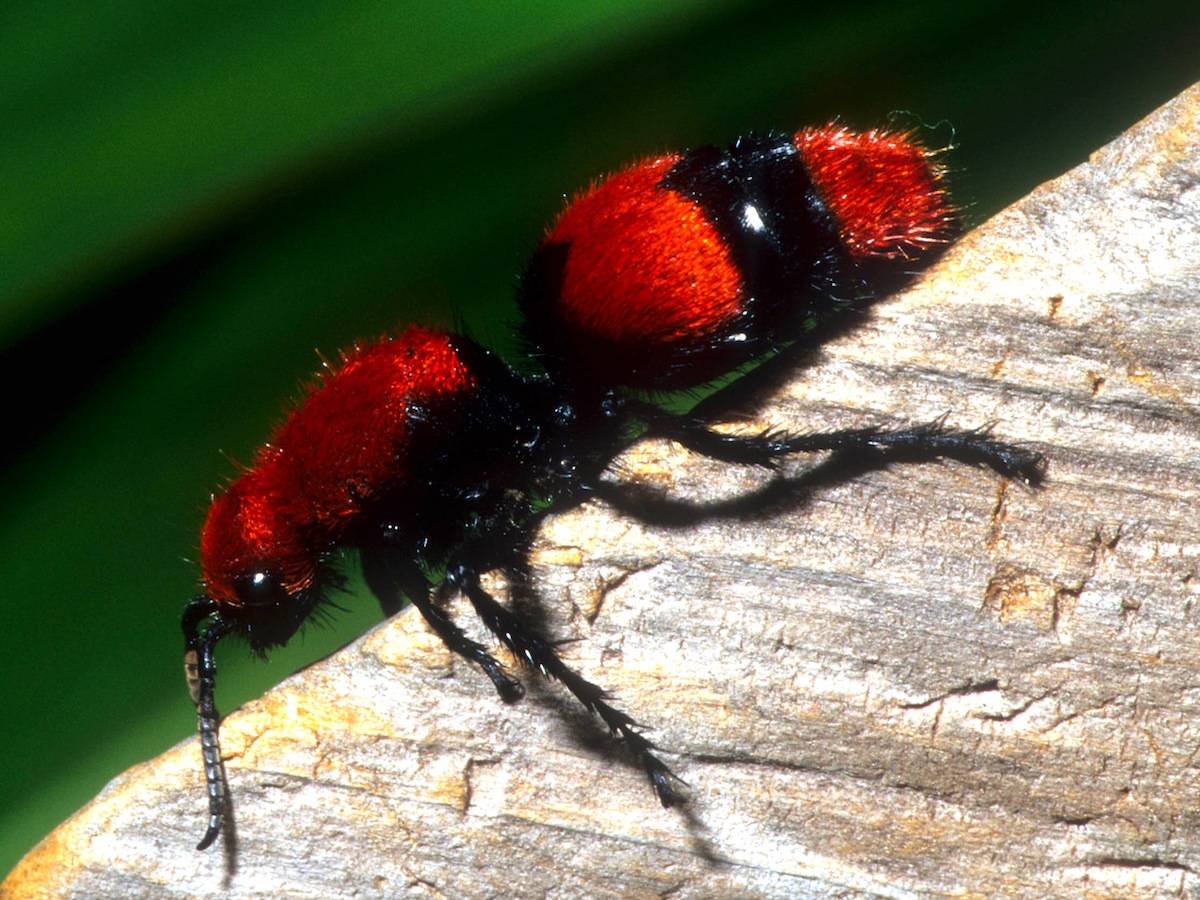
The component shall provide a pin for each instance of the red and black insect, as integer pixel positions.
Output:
(428, 454)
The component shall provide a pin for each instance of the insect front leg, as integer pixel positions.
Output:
(392, 578)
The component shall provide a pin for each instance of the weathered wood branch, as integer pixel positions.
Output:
(921, 680)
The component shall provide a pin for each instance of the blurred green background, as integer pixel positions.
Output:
(195, 196)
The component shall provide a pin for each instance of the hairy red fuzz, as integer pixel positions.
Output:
(883, 188)
(648, 277)
(349, 439)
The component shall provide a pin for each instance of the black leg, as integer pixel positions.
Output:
(537, 652)
(922, 442)
(391, 580)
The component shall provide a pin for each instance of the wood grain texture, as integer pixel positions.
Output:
(916, 681)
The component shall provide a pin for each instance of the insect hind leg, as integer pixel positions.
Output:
(919, 443)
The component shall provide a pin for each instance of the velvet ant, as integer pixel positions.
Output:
(431, 456)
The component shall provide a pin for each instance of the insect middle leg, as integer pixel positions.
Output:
(533, 649)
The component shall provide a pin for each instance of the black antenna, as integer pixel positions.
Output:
(200, 666)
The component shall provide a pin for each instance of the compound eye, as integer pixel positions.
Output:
(261, 587)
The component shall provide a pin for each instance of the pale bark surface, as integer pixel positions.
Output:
(921, 681)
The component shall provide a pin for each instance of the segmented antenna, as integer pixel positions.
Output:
(200, 665)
